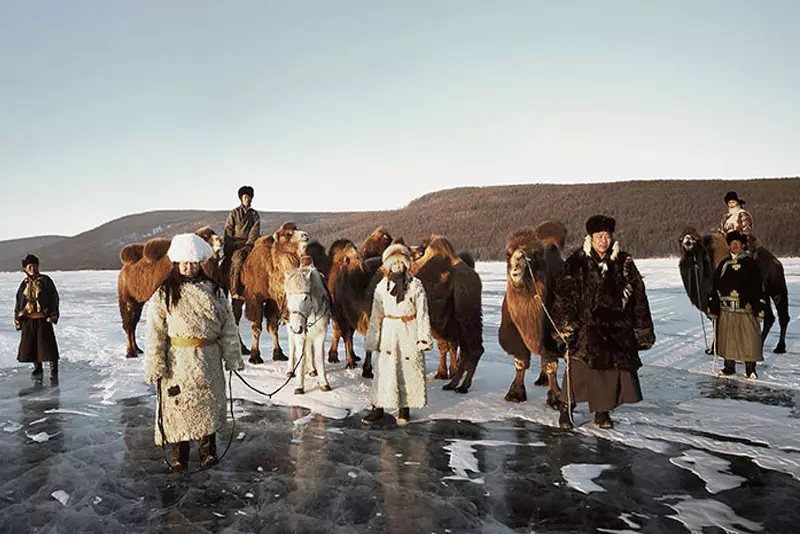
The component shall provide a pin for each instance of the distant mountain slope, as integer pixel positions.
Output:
(16, 249)
(650, 216)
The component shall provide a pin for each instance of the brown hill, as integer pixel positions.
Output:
(650, 216)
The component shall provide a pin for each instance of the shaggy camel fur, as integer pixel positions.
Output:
(144, 269)
(453, 291)
(533, 263)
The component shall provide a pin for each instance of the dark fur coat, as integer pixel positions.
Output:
(36, 295)
(602, 309)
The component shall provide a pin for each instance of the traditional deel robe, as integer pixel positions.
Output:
(401, 331)
(737, 301)
(35, 313)
(242, 228)
(192, 377)
(602, 308)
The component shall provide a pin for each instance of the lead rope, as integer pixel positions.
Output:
(700, 304)
(567, 374)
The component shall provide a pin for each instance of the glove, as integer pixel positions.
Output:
(423, 346)
(52, 320)
(238, 365)
(17, 325)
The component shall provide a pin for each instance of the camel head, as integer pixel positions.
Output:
(524, 255)
(345, 254)
(215, 242)
(688, 240)
(289, 234)
(376, 242)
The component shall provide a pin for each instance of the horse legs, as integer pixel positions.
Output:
(318, 359)
(444, 347)
(782, 305)
(366, 371)
(299, 348)
(293, 347)
(236, 306)
(517, 393)
(333, 353)
(131, 312)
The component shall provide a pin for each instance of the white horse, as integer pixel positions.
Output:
(309, 311)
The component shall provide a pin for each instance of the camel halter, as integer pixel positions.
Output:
(567, 375)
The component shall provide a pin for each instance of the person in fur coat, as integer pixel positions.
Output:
(736, 304)
(35, 313)
(738, 219)
(400, 329)
(601, 309)
(191, 332)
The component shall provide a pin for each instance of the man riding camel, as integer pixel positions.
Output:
(737, 219)
(242, 229)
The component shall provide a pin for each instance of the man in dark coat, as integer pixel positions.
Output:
(242, 229)
(602, 311)
(736, 303)
(35, 313)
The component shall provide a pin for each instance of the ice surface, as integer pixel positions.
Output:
(581, 476)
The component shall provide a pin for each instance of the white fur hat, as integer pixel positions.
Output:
(395, 253)
(189, 248)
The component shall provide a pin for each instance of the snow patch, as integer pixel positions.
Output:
(581, 476)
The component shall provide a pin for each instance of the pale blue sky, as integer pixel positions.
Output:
(109, 108)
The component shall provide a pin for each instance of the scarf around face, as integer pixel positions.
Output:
(400, 284)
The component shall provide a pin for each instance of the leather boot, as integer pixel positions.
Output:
(180, 456)
(374, 416)
(603, 420)
(729, 368)
(750, 370)
(403, 416)
(207, 449)
(54, 371)
(38, 370)
(565, 418)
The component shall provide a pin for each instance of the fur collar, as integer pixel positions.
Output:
(587, 248)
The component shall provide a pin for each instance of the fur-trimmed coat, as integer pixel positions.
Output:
(192, 378)
(737, 219)
(401, 331)
(602, 309)
(36, 296)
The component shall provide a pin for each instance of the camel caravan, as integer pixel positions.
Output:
(287, 278)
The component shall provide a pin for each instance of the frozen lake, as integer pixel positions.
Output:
(699, 452)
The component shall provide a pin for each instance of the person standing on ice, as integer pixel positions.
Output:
(191, 332)
(35, 313)
(601, 308)
(242, 229)
(400, 329)
(736, 304)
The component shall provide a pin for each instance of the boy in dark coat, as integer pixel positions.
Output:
(242, 229)
(35, 313)
(601, 309)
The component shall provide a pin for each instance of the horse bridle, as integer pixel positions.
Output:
(319, 316)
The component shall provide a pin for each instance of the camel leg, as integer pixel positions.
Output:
(351, 357)
(454, 358)
(542, 380)
(366, 371)
(455, 377)
(553, 391)
(273, 315)
(769, 320)
(517, 393)
(236, 306)
(254, 311)
(782, 305)
(131, 312)
(255, 351)
(467, 367)
(333, 353)
(441, 373)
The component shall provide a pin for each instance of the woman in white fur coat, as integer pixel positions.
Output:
(400, 329)
(191, 331)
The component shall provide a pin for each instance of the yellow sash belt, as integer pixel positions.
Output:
(191, 342)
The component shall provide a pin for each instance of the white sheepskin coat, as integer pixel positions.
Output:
(199, 408)
(400, 367)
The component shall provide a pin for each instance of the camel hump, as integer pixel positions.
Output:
(267, 240)
(156, 249)
(467, 258)
(205, 233)
(131, 253)
(551, 233)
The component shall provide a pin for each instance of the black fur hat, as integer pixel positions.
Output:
(733, 235)
(731, 195)
(600, 223)
(245, 190)
(30, 258)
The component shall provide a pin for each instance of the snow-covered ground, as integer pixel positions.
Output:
(694, 419)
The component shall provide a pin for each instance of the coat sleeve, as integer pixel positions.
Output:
(745, 222)
(227, 242)
(712, 306)
(565, 304)
(424, 341)
(156, 363)
(760, 296)
(18, 306)
(643, 322)
(255, 230)
(372, 342)
(229, 337)
(53, 314)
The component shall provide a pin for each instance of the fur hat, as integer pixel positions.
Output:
(189, 248)
(245, 190)
(30, 258)
(396, 253)
(600, 223)
(731, 195)
(733, 235)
